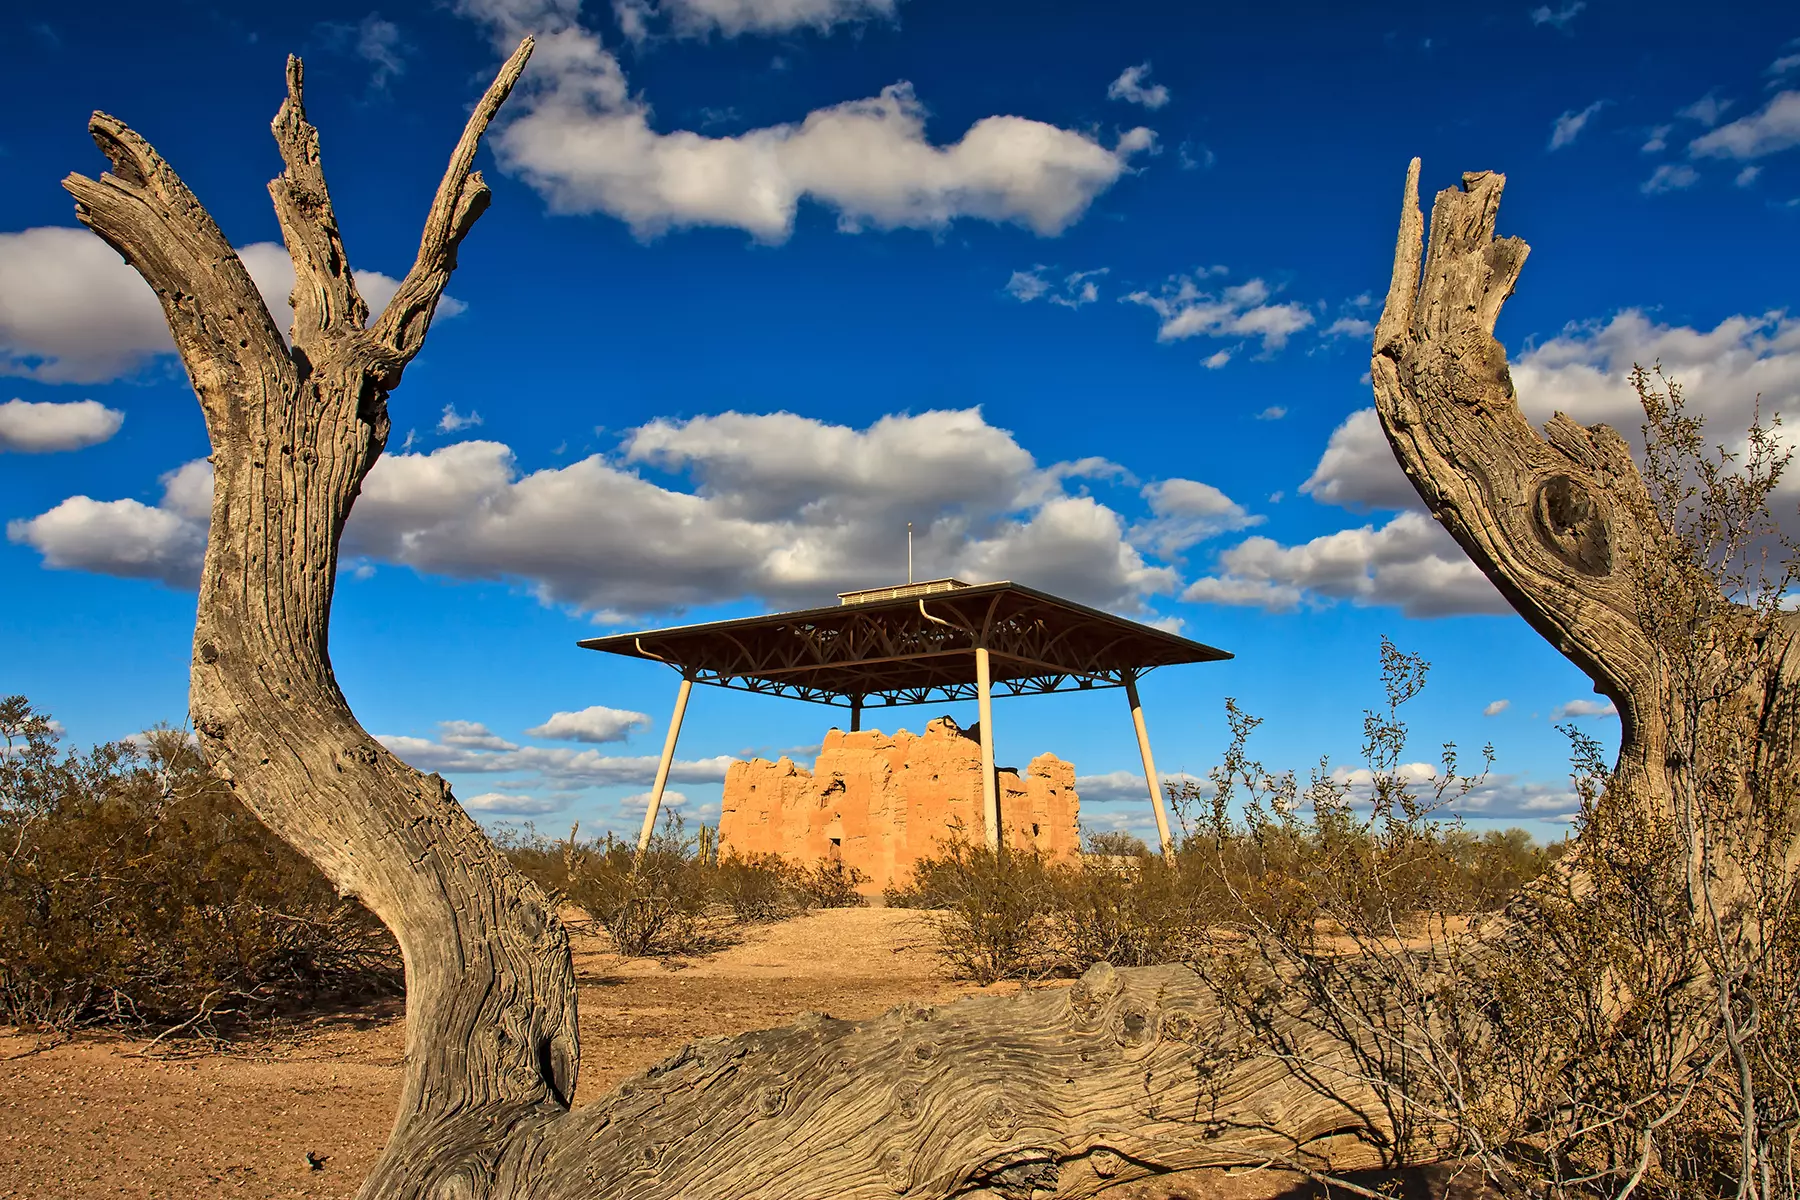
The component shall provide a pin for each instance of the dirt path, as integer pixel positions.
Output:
(96, 1117)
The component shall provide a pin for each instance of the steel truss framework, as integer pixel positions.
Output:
(916, 650)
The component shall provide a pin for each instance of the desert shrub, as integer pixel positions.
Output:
(659, 906)
(136, 891)
(757, 888)
(1499, 863)
(1148, 913)
(680, 899)
(829, 883)
(768, 887)
(1311, 869)
(992, 909)
(545, 861)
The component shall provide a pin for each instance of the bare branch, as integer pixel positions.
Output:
(1403, 288)
(143, 210)
(461, 199)
(325, 300)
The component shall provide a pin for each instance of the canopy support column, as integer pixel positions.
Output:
(856, 703)
(662, 770)
(1150, 777)
(990, 786)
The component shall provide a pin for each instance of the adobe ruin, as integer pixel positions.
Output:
(880, 803)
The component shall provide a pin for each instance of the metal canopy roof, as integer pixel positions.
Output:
(915, 648)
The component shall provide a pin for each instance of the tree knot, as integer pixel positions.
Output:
(895, 1171)
(1094, 989)
(921, 1052)
(1572, 526)
(771, 1100)
(1001, 1118)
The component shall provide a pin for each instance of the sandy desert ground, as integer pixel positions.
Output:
(104, 1116)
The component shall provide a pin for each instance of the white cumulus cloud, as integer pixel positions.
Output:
(1496, 707)
(1585, 708)
(586, 143)
(1559, 18)
(164, 542)
(735, 18)
(1358, 469)
(1355, 327)
(1566, 128)
(784, 508)
(1583, 371)
(472, 735)
(1669, 177)
(504, 804)
(596, 723)
(71, 311)
(376, 41)
(1409, 562)
(639, 801)
(558, 767)
(1706, 110)
(1126, 787)
(1072, 291)
(452, 421)
(39, 427)
(1187, 511)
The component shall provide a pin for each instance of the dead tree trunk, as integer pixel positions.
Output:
(1564, 524)
(490, 1009)
(1068, 1092)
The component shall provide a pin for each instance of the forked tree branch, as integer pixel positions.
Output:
(1558, 521)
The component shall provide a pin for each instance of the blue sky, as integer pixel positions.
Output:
(1081, 290)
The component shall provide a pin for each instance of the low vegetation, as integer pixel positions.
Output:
(1299, 871)
(137, 892)
(682, 897)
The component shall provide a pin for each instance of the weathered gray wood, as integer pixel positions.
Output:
(490, 1006)
(1070, 1091)
(1563, 523)
(1556, 522)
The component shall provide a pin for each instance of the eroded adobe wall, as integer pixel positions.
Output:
(881, 803)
